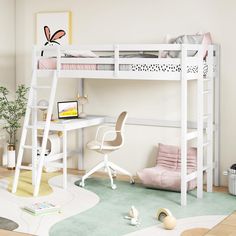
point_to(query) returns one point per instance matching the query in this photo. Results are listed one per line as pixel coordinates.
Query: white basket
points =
(232, 181)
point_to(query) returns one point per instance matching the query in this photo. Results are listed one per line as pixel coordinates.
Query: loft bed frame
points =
(206, 129)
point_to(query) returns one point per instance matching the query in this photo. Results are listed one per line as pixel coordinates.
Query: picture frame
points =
(54, 28)
(68, 110)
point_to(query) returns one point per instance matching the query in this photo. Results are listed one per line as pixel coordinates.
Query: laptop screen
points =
(67, 109)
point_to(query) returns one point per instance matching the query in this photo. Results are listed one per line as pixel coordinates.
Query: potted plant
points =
(11, 111)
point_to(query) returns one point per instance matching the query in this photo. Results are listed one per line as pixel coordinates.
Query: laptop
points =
(68, 110)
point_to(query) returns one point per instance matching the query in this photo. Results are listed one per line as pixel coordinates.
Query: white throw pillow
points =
(186, 39)
(79, 53)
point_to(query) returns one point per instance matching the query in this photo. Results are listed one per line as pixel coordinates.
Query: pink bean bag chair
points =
(166, 174)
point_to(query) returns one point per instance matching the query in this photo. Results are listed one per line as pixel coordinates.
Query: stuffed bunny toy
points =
(52, 40)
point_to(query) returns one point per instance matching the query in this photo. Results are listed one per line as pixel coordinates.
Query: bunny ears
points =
(57, 35)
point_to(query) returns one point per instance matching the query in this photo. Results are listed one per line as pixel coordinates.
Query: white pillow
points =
(79, 53)
(187, 39)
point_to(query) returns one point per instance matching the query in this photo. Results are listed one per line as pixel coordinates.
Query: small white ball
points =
(169, 222)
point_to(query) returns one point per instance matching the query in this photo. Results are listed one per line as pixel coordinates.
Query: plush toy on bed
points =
(52, 40)
(167, 173)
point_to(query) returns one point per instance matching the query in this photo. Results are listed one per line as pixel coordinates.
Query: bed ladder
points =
(31, 111)
(208, 118)
(203, 90)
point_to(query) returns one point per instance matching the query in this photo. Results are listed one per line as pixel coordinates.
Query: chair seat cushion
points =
(96, 145)
(93, 145)
(164, 178)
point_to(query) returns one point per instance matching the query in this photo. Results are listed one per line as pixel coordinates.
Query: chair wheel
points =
(81, 184)
(113, 186)
(132, 181)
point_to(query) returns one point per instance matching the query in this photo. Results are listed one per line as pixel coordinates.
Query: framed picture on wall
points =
(53, 28)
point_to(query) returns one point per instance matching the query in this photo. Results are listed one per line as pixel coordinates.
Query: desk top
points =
(72, 124)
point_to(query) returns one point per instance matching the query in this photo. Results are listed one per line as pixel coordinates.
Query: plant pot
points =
(11, 157)
(3, 151)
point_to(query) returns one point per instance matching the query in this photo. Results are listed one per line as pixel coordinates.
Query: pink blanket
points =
(51, 64)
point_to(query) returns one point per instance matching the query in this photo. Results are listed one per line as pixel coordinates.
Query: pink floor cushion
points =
(166, 174)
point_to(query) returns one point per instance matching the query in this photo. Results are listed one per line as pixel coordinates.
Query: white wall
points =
(7, 44)
(138, 21)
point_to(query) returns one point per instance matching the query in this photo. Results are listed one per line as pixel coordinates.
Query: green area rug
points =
(107, 217)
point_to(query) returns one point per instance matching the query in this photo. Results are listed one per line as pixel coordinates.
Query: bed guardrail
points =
(113, 56)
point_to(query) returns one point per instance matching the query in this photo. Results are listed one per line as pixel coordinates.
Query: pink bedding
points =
(51, 64)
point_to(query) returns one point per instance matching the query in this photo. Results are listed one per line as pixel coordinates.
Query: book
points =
(42, 208)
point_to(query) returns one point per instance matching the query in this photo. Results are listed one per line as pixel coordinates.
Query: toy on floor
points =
(165, 216)
(133, 216)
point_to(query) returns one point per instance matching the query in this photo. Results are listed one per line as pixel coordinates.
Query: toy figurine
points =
(133, 216)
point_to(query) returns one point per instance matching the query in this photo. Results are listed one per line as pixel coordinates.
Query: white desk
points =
(64, 126)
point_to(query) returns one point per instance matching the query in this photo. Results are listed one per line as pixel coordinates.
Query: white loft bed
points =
(113, 63)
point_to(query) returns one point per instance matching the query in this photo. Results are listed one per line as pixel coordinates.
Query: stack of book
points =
(42, 208)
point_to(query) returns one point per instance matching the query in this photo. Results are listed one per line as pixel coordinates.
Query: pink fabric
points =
(51, 64)
(170, 156)
(163, 178)
(205, 42)
(167, 175)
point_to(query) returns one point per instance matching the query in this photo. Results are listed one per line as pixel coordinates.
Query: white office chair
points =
(107, 146)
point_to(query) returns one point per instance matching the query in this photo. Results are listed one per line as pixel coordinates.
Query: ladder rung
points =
(41, 87)
(191, 176)
(206, 91)
(205, 117)
(39, 107)
(192, 135)
(31, 127)
(26, 167)
(205, 168)
(206, 144)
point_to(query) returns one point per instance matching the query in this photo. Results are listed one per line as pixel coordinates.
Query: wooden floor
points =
(12, 233)
(4, 172)
(227, 227)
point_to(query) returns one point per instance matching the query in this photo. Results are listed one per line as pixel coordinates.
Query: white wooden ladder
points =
(204, 90)
(31, 112)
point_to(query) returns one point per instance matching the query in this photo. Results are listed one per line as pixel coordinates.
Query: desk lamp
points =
(82, 100)
(43, 103)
